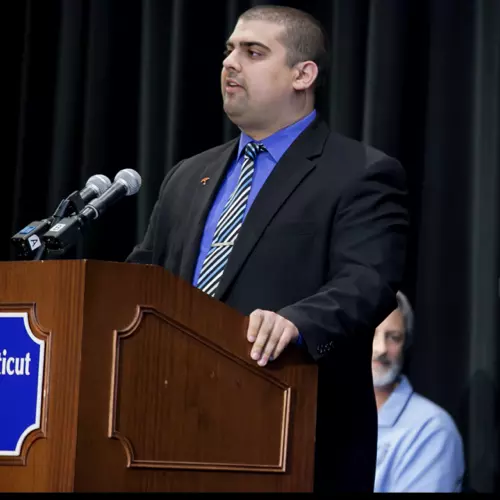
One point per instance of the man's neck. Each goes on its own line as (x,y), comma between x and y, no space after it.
(382,394)
(259,134)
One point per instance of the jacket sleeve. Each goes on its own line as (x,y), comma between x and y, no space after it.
(367,260)
(142,253)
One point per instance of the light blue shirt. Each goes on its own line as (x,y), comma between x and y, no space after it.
(419,447)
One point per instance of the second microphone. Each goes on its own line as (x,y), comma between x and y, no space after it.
(63,235)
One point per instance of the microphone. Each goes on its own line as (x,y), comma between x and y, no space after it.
(127,183)
(28,240)
(62,235)
(96,186)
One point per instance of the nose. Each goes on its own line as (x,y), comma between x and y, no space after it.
(231,63)
(379,344)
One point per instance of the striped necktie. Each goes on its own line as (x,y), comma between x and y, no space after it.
(229,224)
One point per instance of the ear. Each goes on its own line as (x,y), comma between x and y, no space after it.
(306,74)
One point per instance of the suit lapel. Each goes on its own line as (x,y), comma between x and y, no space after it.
(297,162)
(202,199)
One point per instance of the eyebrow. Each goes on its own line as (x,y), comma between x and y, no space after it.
(250,44)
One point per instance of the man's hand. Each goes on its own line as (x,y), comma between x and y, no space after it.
(270,333)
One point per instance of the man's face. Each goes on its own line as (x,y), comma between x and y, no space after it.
(388,341)
(257,83)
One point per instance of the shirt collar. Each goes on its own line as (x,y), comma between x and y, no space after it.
(392,409)
(277,143)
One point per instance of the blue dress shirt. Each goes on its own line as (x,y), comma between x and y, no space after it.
(276,145)
(419,447)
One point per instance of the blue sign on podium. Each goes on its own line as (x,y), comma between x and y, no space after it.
(21,381)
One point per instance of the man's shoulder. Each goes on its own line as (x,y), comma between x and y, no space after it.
(355,159)
(354,149)
(211,154)
(191,166)
(429,414)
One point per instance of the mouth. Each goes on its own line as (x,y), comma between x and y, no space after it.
(380,364)
(232,86)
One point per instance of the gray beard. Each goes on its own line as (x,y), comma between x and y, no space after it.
(389,376)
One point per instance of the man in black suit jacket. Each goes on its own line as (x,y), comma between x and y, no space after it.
(320,255)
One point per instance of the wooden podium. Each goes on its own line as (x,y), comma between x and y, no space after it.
(149,387)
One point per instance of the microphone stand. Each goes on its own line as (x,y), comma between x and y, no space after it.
(73,204)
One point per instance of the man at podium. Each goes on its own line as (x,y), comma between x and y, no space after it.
(300,228)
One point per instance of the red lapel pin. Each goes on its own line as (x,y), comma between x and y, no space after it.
(205,180)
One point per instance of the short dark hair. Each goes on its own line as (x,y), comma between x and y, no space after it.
(304,37)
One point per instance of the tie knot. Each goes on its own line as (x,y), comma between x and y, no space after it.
(252,149)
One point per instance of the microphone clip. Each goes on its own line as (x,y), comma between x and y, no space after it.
(29,243)
(73,204)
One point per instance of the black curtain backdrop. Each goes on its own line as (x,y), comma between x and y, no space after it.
(95,86)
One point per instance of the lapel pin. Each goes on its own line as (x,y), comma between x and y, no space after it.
(205,180)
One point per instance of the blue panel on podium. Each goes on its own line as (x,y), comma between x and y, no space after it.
(21,381)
